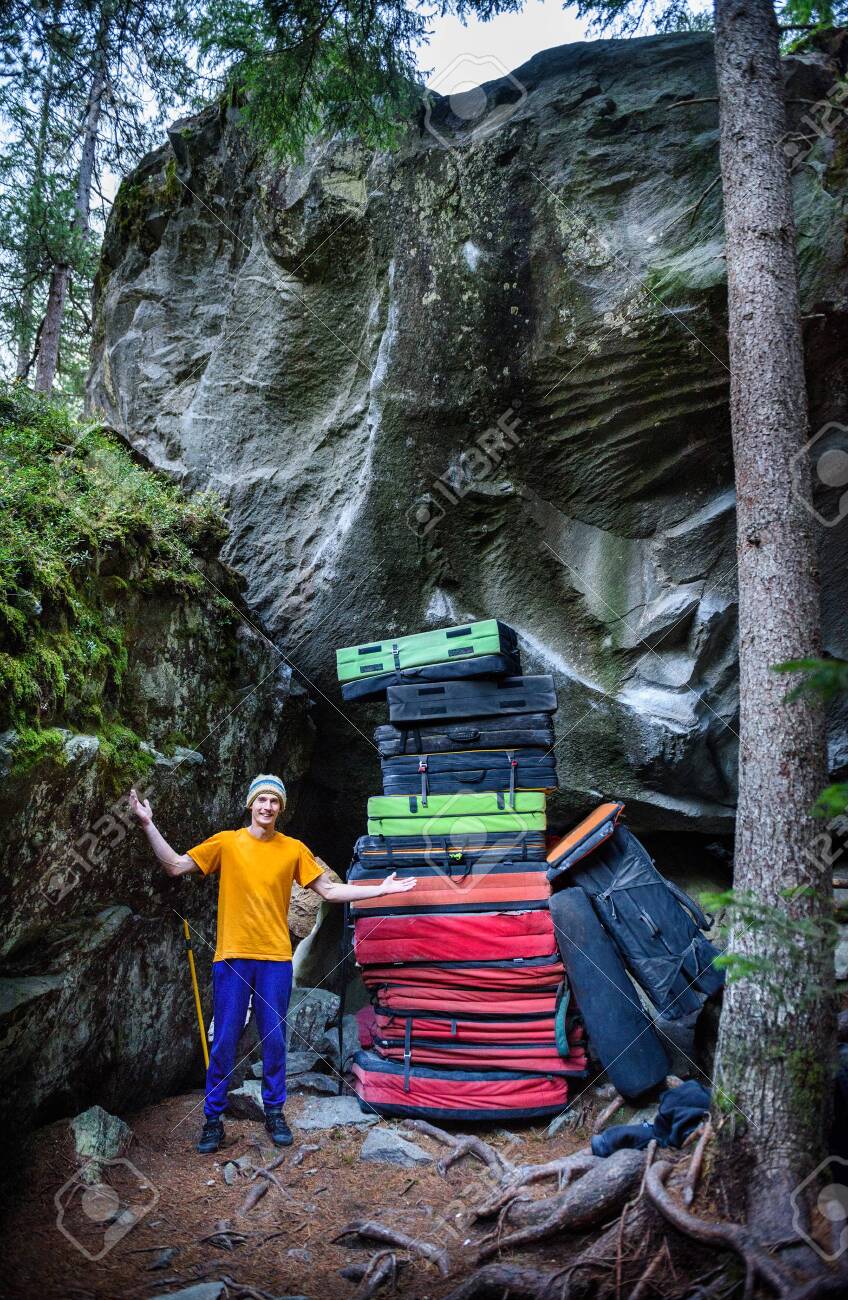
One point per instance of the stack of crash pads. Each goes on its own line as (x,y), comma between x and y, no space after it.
(473,1017)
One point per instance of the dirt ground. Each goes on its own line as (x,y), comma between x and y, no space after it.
(286,1247)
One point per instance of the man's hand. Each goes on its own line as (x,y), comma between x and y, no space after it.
(391,885)
(173,864)
(141,811)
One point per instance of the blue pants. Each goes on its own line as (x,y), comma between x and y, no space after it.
(233,981)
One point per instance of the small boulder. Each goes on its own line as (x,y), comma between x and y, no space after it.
(350,1044)
(571,1118)
(246,1102)
(200,1291)
(162,1258)
(312,1081)
(98,1138)
(231,1173)
(384,1146)
(300,1063)
(310,1012)
(330,1112)
(305,904)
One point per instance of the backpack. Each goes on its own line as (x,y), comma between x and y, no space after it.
(657,928)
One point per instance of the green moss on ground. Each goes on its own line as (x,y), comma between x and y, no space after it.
(81,524)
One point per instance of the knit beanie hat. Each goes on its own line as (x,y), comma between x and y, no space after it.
(266,784)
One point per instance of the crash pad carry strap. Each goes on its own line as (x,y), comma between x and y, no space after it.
(563,1000)
(513,764)
(699,916)
(422,768)
(346,950)
(407,1052)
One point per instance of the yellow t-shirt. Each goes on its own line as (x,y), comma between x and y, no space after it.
(255,890)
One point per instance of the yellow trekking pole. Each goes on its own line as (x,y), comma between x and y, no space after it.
(194,985)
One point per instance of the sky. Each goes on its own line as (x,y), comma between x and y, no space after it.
(458,56)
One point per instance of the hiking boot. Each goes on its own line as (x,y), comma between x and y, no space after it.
(281,1134)
(211,1137)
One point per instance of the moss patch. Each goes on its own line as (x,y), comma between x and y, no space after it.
(124,757)
(34,746)
(82,526)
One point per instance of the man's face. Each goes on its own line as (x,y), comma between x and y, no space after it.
(266,810)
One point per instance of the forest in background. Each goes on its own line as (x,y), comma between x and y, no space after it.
(87,88)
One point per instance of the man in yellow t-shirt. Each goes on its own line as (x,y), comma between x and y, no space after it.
(256,866)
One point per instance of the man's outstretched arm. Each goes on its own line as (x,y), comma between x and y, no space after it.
(173,863)
(336,892)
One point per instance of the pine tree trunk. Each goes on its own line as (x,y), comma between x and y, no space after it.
(51,329)
(29,262)
(773,1080)
(48,351)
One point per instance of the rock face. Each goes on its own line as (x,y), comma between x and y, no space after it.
(485,374)
(95,996)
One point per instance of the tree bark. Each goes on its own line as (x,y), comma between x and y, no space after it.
(773,1080)
(48,351)
(51,329)
(30,259)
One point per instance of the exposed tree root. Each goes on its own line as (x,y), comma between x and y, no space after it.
(374,1231)
(380,1270)
(504,1280)
(592,1199)
(645,1280)
(696,1164)
(580,1279)
(511,1177)
(608,1112)
(462,1145)
(731,1236)
(564,1170)
(629,1260)
(255,1195)
(224,1237)
(828,1286)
